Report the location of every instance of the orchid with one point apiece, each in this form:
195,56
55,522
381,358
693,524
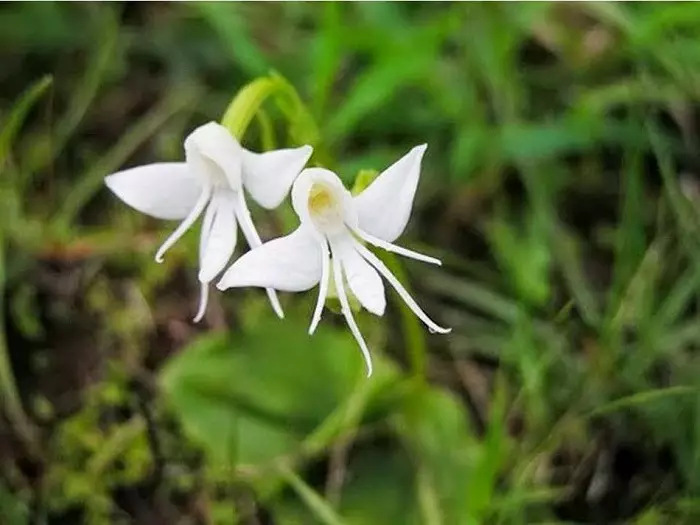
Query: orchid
329,242
211,181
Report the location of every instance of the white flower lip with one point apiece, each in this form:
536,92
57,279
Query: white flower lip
328,240
211,181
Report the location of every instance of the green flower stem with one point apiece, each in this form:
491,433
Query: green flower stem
245,105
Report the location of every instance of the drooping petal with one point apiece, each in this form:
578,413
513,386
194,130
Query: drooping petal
385,206
269,176
221,238
203,301
186,223
203,238
165,190
363,280
403,293
347,313
323,287
399,250
215,155
251,235
291,264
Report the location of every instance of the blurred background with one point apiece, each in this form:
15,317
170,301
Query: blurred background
560,188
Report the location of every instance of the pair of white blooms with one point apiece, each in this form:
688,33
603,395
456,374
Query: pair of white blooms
327,242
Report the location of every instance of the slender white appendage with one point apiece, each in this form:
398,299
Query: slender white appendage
394,282
347,313
399,250
322,289
203,301
186,223
207,224
251,235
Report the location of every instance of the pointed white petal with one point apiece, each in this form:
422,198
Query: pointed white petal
221,238
322,289
394,282
251,235
269,176
291,264
203,237
399,250
165,190
347,313
363,280
188,221
214,154
203,300
385,206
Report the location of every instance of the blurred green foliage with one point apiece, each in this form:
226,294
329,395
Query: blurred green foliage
560,188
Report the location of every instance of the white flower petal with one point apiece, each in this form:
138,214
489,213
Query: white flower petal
213,153
322,289
221,237
363,280
269,176
384,207
251,235
347,313
403,293
290,264
165,190
203,300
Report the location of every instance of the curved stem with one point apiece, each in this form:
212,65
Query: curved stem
10,394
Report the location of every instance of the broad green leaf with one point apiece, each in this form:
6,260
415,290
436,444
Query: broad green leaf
257,396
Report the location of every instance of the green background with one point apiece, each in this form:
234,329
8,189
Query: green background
560,189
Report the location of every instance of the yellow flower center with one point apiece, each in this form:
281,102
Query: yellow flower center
324,207
321,200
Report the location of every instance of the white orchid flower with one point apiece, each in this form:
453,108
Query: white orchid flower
212,178
333,223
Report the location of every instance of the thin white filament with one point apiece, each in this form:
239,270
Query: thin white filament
399,250
322,289
207,224
251,235
347,313
186,223
394,282
203,300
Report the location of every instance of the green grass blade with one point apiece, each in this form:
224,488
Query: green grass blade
316,504
91,181
18,113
